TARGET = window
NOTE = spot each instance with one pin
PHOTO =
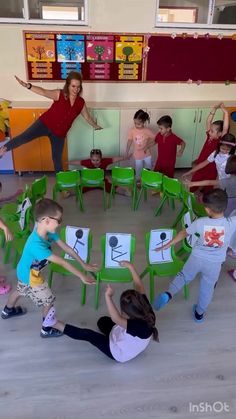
(45, 11)
(196, 13)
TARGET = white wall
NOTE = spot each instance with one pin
(105, 16)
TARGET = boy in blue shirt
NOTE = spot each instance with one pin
(209, 252)
(36, 255)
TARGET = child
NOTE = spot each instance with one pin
(36, 254)
(5, 288)
(209, 251)
(168, 147)
(128, 331)
(97, 161)
(228, 184)
(139, 138)
(214, 130)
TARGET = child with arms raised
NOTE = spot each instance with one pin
(209, 252)
(128, 331)
(36, 255)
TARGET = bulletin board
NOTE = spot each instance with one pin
(191, 58)
(50, 56)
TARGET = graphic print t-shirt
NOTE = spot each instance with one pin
(140, 138)
(214, 235)
(34, 258)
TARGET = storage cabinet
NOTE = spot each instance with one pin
(36, 155)
(82, 138)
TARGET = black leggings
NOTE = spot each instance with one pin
(100, 340)
(38, 129)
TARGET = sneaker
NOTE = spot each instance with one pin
(198, 318)
(232, 274)
(161, 300)
(11, 312)
(50, 332)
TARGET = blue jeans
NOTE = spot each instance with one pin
(38, 129)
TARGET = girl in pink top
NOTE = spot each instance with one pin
(138, 138)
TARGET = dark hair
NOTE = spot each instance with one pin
(142, 116)
(46, 208)
(96, 151)
(137, 306)
(226, 138)
(230, 168)
(219, 125)
(216, 200)
(73, 75)
(165, 121)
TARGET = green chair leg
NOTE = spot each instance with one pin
(151, 287)
(83, 294)
(97, 293)
(144, 273)
(15, 260)
(139, 198)
(145, 195)
(50, 279)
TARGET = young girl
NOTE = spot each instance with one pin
(127, 332)
(214, 130)
(97, 161)
(225, 148)
(139, 137)
(5, 288)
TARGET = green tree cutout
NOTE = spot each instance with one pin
(127, 51)
(99, 50)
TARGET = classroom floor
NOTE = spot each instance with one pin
(190, 373)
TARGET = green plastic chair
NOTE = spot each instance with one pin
(171, 191)
(149, 180)
(198, 208)
(10, 211)
(54, 268)
(93, 178)
(112, 275)
(186, 245)
(38, 189)
(123, 176)
(187, 206)
(162, 269)
(66, 181)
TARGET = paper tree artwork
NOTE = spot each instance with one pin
(22, 209)
(70, 48)
(159, 238)
(99, 48)
(40, 48)
(129, 49)
(118, 247)
(77, 239)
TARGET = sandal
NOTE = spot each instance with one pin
(11, 312)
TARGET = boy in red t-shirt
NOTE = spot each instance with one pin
(168, 147)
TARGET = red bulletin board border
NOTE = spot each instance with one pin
(108, 57)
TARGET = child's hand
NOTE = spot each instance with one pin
(186, 176)
(125, 264)
(8, 234)
(109, 291)
(97, 127)
(179, 153)
(222, 106)
(91, 267)
(86, 279)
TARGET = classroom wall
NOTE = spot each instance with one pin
(104, 16)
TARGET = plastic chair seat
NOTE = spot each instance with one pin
(123, 176)
(149, 180)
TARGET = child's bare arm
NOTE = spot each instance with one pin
(129, 143)
(112, 309)
(136, 278)
(201, 183)
(67, 249)
(62, 262)
(75, 162)
(150, 143)
(181, 148)
(196, 168)
(225, 119)
(180, 236)
(211, 116)
(7, 233)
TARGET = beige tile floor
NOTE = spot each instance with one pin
(66, 379)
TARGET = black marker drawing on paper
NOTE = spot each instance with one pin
(115, 253)
(78, 234)
(163, 240)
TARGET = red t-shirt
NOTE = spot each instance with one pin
(61, 115)
(167, 149)
(209, 146)
(106, 161)
(209, 172)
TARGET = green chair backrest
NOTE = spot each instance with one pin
(198, 208)
(150, 246)
(122, 175)
(151, 178)
(68, 179)
(39, 188)
(172, 187)
(103, 247)
(92, 177)
(89, 242)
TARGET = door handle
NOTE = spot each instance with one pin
(195, 116)
(200, 117)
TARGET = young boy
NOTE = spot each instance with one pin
(214, 233)
(36, 255)
(168, 147)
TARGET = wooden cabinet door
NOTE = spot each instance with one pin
(28, 156)
(107, 139)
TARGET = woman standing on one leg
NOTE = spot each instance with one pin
(57, 120)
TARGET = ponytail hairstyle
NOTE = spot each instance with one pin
(230, 141)
(137, 306)
(73, 75)
(142, 116)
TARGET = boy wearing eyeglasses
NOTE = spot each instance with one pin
(36, 255)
